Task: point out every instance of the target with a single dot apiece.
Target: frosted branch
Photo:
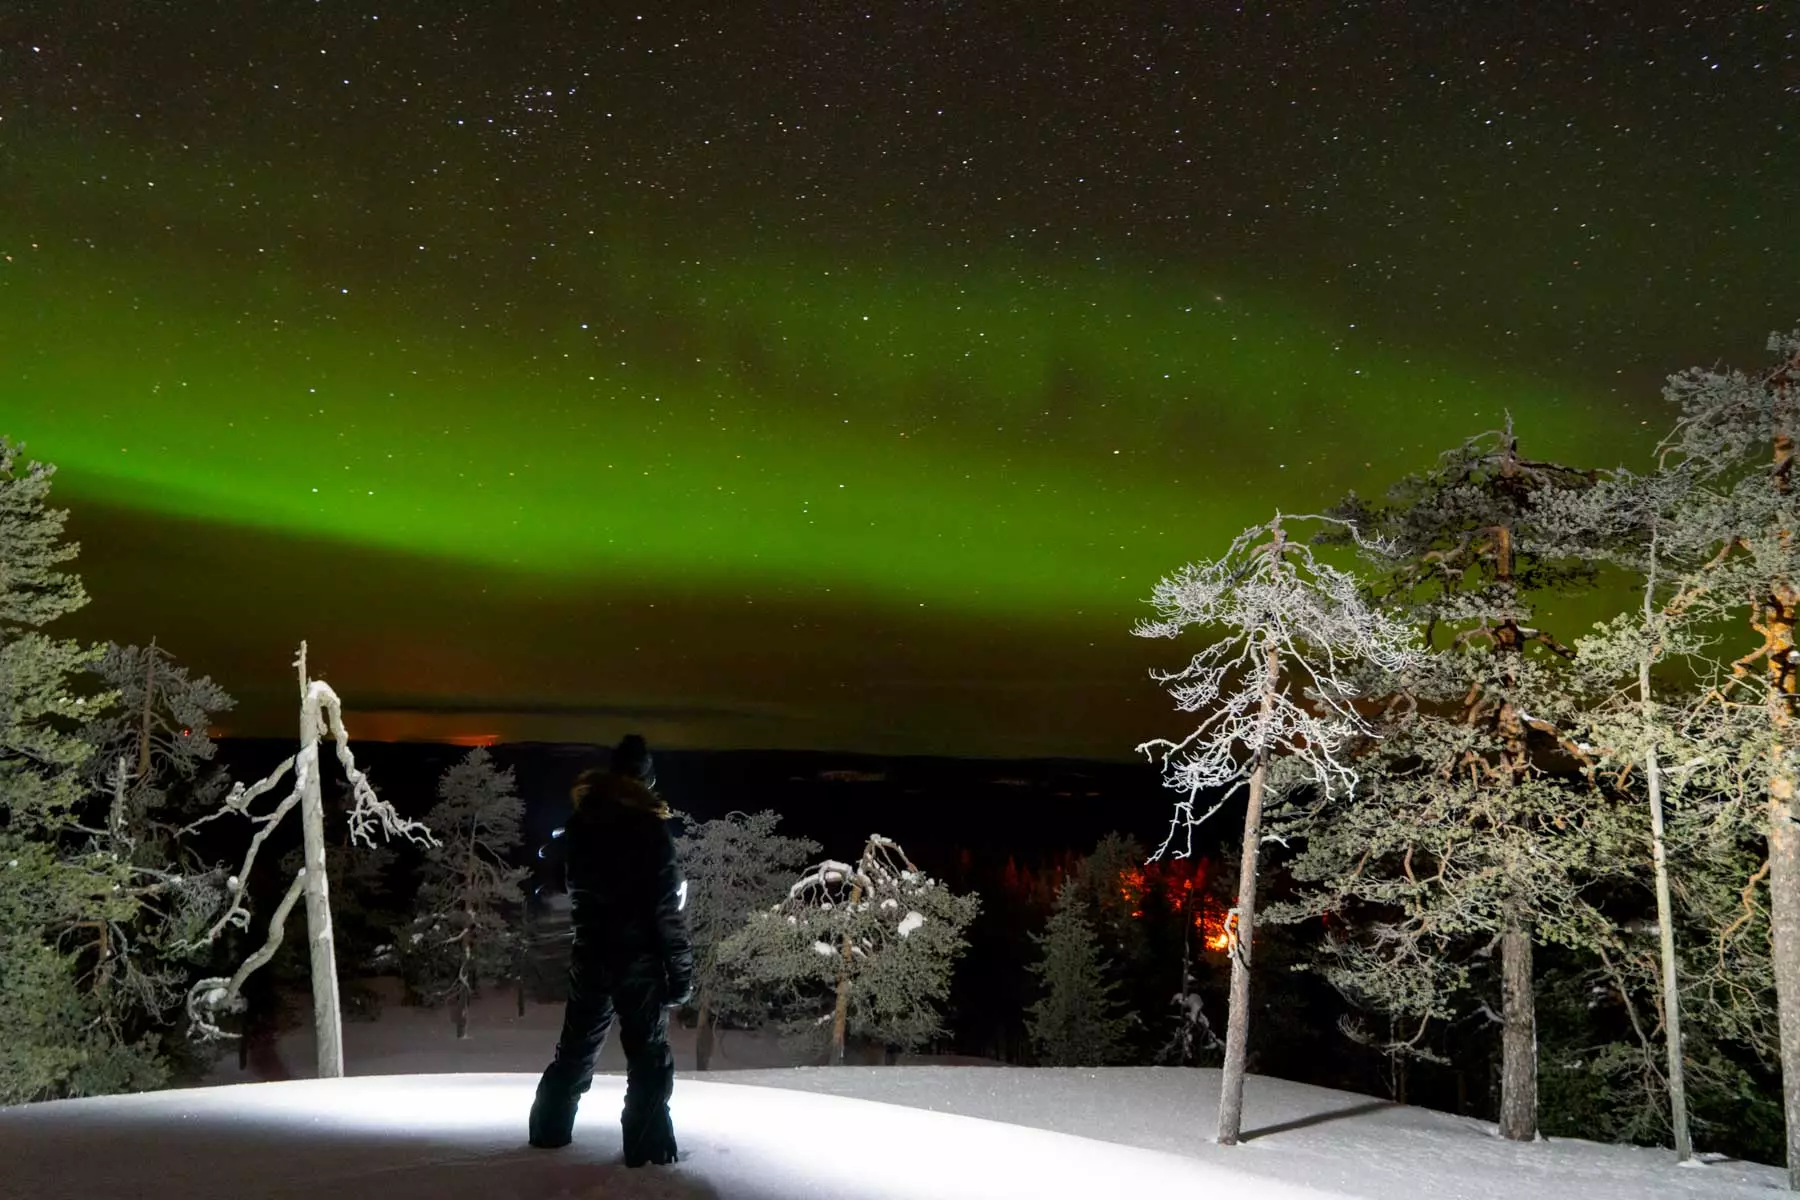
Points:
(1267, 596)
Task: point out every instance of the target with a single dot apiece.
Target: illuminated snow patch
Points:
(453, 1137)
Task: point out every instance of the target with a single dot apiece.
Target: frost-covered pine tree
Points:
(734, 866)
(151, 772)
(1078, 1021)
(321, 716)
(1275, 693)
(53, 1040)
(1737, 431)
(860, 950)
(1473, 834)
(1637, 523)
(465, 923)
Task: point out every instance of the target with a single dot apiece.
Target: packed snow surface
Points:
(895, 1133)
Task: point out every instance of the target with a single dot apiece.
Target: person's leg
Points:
(587, 1019)
(649, 1065)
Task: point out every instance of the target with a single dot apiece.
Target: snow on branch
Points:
(366, 809)
(1277, 680)
(321, 715)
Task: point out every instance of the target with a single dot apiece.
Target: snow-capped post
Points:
(1275, 693)
(321, 714)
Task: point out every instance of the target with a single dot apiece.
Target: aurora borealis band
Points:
(825, 376)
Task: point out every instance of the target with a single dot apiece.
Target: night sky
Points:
(827, 375)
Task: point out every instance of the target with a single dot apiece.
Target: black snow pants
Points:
(634, 991)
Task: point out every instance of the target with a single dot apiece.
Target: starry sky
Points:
(827, 375)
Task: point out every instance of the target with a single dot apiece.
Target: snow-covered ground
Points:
(954, 1132)
(461, 1137)
(406, 1127)
(948, 1133)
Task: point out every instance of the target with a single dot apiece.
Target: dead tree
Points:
(321, 714)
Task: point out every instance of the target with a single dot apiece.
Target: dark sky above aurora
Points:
(827, 375)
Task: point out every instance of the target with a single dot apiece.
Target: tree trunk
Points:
(1665, 925)
(328, 1021)
(840, 1017)
(148, 710)
(1518, 1001)
(460, 1014)
(703, 1033)
(1665, 909)
(1518, 1055)
(1784, 920)
(1778, 616)
(1237, 1027)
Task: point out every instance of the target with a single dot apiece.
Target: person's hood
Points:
(596, 792)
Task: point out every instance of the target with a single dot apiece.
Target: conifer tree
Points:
(1473, 834)
(734, 866)
(1737, 432)
(151, 772)
(863, 950)
(53, 1038)
(465, 923)
(1078, 1021)
(1111, 883)
(1277, 699)
(1635, 522)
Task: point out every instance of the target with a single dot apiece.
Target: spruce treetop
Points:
(34, 590)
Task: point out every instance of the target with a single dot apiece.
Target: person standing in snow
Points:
(631, 957)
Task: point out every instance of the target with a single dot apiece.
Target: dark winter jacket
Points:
(625, 889)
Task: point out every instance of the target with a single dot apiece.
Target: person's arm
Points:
(671, 921)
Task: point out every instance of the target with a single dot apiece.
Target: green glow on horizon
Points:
(901, 433)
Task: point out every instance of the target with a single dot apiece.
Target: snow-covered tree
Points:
(465, 925)
(321, 715)
(734, 866)
(1474, 832)
(1275, 691)
(1078, 1021)
(863, 950)
(1737, 432)
(150, 773)
(1635, 522)
(56, 891)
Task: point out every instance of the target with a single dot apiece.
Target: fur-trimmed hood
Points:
(596, 791)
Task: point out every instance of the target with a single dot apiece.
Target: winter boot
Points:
(552, 1121)
(649, 1139)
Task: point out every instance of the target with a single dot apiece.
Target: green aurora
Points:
(994, 455)
(750, 398)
